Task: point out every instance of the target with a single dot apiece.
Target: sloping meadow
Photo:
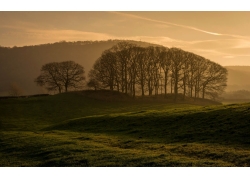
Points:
(74, 130)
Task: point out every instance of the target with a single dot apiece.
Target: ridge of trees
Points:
(132, 69)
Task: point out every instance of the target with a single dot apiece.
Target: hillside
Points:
(76, 129)
(21, 65)
(238, 78)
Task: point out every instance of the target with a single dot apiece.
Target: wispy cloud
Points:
(165, 22)
(161, 40)
(229, 57)
(49, 35)
(214, 49)
(70, 34)
(180, 25)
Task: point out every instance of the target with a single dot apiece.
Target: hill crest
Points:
(21, 65)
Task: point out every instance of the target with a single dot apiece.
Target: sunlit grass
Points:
(86, 149)
(72, 130)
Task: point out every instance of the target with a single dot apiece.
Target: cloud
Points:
(70, 34)
(31, 36)
(51, 35)
(214, 49)
(165, 22)
(242, 43)
(215, 44)
(180, 25)
(161, 40)
(230, 57)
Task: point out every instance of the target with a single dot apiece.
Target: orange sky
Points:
(223, 37)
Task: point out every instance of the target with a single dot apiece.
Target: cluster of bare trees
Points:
(61, 76)
(135, 70)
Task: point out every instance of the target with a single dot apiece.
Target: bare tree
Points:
(165, 63)
(104, 70)
(61, 76)
(123, 55)
(136, 69)
(131, 68)
(158, 54)
(93, 82)
(177, 65)
(149, 58)
(201, 70)
(50, 77)
(193, 67)
(141, 64)
(71, 75)
(214, 83)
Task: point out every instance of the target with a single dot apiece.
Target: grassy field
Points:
(76, 129)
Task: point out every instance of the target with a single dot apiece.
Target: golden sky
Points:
(223, 37)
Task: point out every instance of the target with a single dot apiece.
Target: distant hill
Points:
(21, 65)
(238, 78)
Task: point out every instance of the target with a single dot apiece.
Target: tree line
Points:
(134, 70)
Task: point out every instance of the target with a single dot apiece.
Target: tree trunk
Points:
(59, 88)
(184, 86)
(176, 86)
(66, 87)
(142, 88)
(165, 83)
(203, 92)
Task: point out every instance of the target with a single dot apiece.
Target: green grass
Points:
(75, 130)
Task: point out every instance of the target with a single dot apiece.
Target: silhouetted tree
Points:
(214, 82)
(131, 68)
(141, 65)
(165, 63)
(177, 66)
(123, 55)
(61, 76)
(93, 82)
(71, 75)
(50, 77)
(104, 70)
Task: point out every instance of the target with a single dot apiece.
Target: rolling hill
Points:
(79, 129)
(21, 65)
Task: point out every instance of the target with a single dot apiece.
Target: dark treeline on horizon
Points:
(134, 70)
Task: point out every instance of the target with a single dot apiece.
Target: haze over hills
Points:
(21, 65)
(238, 78)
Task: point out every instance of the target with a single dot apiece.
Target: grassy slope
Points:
(74, 130)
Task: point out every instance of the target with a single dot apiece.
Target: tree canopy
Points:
(132, 69)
